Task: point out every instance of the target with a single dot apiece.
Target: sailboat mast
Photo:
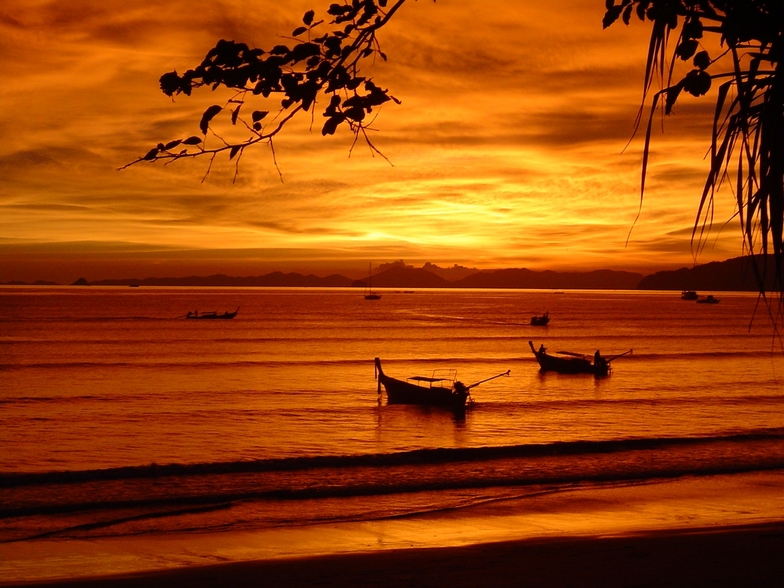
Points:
(369, 295)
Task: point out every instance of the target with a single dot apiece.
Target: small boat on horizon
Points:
(540, 320)
(573, 363)
(211, 315)
(369, 294)
(689, 295)
(440, 389)
(709, 299)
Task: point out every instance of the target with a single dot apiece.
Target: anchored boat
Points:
(211, 315)
(369, 294)
(567, 362)
(440, 389)
(709, 299)
(540, 320)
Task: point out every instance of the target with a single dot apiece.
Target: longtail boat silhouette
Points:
(211, 315)
(573, 363)
(440, 389)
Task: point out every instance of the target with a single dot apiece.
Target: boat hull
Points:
(402, 392)
(571, 365)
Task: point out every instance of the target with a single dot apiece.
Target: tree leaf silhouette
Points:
(331, 125)
(747, 138)
(208, 115)
(702, 60)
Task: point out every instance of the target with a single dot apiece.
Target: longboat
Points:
(440, 389)
(211, 315)
(573, 363)
(540, 320)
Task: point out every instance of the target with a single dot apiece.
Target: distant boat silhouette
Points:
(541, 321)
(211, 315)
(689, 295)
(709, 299)
(369, 294)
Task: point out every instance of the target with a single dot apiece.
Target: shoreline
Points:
(734, 556)
(710, 518)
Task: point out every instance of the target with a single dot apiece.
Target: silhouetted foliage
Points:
(747, 140)
(288, 79)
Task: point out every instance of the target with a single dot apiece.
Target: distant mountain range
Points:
(402, 276)
(275, 279)
(732, 274)
(36, 283)
(525, 278)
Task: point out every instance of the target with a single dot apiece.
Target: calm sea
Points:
(119, 417)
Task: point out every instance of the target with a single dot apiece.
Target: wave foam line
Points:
(413, 457)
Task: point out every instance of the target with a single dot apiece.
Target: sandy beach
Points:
(715, 557)
(712, 531)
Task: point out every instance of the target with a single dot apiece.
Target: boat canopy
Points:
(426, 379)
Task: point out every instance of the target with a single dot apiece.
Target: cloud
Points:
(508, 146)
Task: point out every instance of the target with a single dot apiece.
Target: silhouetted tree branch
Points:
(747, 139)
(288, 79)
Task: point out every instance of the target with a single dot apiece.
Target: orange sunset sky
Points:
(507, 149)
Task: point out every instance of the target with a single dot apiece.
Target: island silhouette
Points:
(735, 274)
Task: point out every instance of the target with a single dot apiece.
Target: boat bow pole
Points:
(619, 355)
(376, 372)
(506, 373)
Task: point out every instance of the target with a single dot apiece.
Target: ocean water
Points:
(118, 417)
